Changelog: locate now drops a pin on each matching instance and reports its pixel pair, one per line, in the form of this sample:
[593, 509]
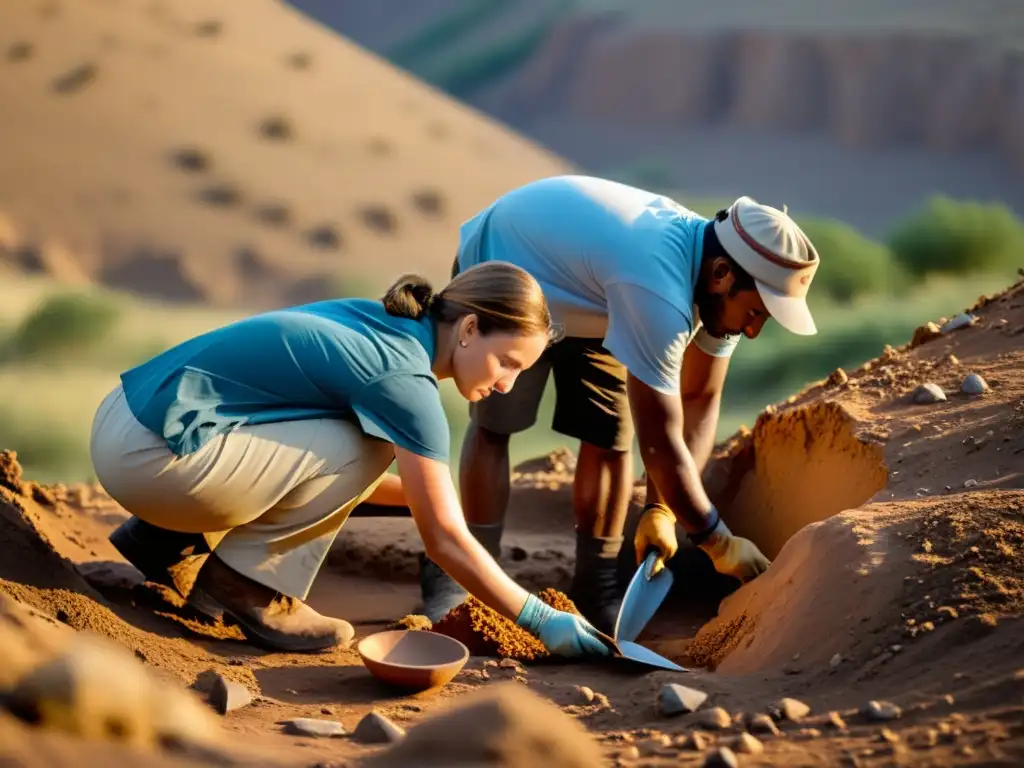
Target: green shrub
[65, 324]
[480, 66]
[415, 51]
[47, 451]
[947, 236]
[851, 265]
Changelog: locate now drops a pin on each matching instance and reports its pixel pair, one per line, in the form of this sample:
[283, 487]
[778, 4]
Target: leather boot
[595, 582]
[267, 617]
[164, 557]
[439, 591]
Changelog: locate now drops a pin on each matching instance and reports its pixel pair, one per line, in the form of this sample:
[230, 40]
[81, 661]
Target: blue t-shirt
[340, 359]
[615, 262]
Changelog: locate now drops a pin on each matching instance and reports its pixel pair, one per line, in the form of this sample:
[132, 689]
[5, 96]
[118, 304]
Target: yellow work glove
[732, 555]
[657, 529]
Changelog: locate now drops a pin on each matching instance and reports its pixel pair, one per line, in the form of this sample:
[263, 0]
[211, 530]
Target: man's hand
[734, 556]
[657, 530]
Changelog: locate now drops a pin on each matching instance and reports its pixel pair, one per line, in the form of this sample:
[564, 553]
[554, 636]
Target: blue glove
[562, 633]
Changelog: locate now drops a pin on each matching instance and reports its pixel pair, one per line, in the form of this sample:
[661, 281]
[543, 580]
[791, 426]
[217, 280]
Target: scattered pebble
[835, 661]
[748, 744]
[793, 710]
[888, 736]
[723, 757]
[653, 745]
[698, 741]
[973, 384]
[586, 694]
[629, 754]
[928, 393]
[838, 377]
[675, 699]
[490, 663]
[716, 717]
[763, 724]
[970, 483]
[308, 726]
[809, 733]
[926, 739]
[227, 696]
[881, 711]
[375, 728]
[509, 664]
[836, 721]
[960, 321]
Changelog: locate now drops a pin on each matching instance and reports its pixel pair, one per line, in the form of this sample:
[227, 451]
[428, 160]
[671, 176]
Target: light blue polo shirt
[615, 262]
[340, 359]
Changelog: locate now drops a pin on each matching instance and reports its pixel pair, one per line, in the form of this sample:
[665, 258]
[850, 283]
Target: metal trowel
[643, 597]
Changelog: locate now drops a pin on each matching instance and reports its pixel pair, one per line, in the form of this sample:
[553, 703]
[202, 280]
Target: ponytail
[410, 296]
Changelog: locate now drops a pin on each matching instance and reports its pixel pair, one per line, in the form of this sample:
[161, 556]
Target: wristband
[661, 508]
[701, 536]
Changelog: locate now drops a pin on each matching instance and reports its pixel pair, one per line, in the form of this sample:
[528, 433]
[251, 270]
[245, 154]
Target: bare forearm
[675, 479]
[389, 493]
[464, 559]
[700, 419]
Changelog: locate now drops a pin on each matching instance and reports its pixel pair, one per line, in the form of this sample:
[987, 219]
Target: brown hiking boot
[268, 618]
[164, 557]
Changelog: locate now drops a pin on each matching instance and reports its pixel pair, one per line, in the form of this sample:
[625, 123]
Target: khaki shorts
[590, 397]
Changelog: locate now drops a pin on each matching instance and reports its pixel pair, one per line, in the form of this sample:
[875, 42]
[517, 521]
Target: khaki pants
[270, 498]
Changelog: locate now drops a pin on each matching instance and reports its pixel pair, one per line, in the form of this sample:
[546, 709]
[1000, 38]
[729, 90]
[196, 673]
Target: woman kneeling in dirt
[257, 439]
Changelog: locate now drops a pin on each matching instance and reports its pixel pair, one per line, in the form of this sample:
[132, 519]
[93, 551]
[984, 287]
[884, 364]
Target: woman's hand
[562, 633]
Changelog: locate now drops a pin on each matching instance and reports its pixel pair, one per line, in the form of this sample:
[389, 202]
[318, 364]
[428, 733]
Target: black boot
[439, 591]
[164, 557]
[595, 583]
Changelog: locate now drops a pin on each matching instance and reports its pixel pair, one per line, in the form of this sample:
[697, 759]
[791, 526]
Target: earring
[463, 344]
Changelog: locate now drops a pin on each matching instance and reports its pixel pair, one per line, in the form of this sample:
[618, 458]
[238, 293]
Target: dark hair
[713, 249]
[504, 297]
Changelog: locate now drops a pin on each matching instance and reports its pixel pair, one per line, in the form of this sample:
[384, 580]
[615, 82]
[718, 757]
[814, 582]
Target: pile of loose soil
[487, 633]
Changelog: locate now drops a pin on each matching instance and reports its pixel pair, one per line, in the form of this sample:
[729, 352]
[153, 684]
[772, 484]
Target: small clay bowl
[413, 659]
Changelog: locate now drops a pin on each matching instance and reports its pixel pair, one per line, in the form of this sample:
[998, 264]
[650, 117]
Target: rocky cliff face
[864, 89]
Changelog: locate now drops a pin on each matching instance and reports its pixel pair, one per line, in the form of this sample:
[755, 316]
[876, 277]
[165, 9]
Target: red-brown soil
[896, 532]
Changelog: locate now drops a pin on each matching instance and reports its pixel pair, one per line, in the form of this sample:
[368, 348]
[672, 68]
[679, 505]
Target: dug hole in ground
[887, 630]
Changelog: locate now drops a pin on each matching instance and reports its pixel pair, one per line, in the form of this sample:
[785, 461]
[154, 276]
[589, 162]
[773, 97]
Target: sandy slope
[895, 578]
[367, 172]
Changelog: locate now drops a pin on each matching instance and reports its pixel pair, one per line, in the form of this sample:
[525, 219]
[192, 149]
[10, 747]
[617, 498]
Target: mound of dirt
[506, 726]
[487, 633]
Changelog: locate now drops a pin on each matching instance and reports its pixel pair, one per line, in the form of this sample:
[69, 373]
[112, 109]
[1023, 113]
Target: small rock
[653, 745]
[809, 733]
[490, 663]
[970, 483]
[881, 711]
[630, 754]
[675, 699]
[835, 661]
[308, 726]
[585, 694]
[888, 736]
[227, 696]
[509, 664]
[716, 717]
[925, 333]
[602, 701]
[326, 711]
[375, 728]
[926, 739]
[836, 721]
[928, 393]
[793, 710]
[960, 321]
[748, 745]
[762, 724]
[723, 757]
[973, 384]
[698, 741]
[838, 378]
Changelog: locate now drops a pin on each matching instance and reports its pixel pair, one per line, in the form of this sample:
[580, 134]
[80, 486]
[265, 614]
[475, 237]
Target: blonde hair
[505, 299]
